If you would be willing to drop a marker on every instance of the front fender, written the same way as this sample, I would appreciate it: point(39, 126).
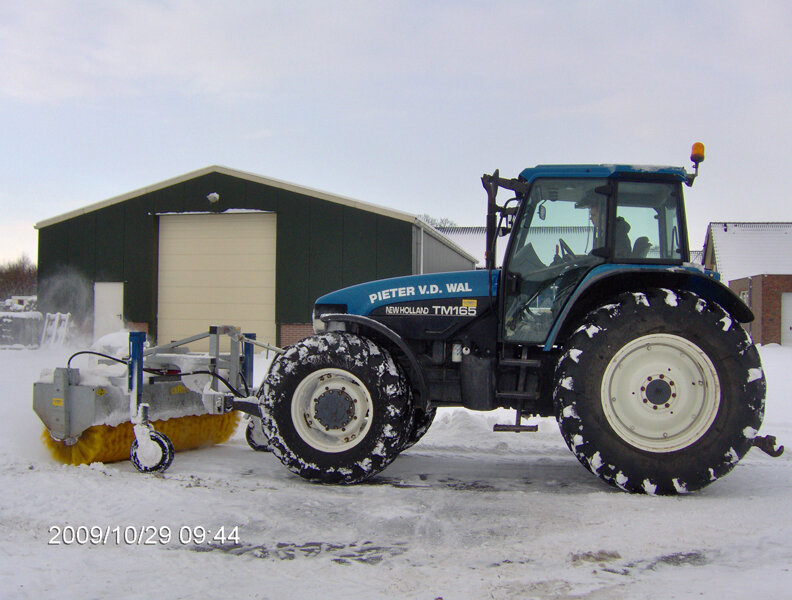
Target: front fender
point(417, 376)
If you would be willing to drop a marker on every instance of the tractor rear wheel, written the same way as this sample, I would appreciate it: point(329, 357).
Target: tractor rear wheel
point(335, 408)
point(659, 392)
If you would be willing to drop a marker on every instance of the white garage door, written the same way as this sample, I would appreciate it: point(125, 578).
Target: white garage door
point(786, 319)
point(216, 270)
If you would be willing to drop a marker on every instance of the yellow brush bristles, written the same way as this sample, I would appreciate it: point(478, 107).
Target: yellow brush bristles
point(102, 443)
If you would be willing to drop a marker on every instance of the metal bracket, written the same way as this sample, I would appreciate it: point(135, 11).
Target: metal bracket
point(767, 444)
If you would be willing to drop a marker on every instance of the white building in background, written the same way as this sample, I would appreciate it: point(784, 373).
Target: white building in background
point(755, 260)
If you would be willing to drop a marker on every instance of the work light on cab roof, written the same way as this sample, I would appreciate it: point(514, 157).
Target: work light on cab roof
point(697, 156)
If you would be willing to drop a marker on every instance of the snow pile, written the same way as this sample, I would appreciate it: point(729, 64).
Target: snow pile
point(466, 513)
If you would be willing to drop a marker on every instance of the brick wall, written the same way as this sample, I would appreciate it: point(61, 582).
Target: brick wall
point(764, 293)
point(756, 306)
point(773, 286)
point(291, 333)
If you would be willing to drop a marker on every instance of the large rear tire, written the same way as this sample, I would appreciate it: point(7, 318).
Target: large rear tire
point(659, 392)
point(335, 408)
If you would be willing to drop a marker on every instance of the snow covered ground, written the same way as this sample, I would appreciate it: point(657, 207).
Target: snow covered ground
point(466, 513)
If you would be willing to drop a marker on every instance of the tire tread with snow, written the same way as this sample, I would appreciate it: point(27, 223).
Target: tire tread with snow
point(420, 422)
point(659, 391)
point(335, 408)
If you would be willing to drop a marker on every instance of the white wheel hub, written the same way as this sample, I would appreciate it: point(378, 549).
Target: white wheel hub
point(331, 410)
point(660, 393)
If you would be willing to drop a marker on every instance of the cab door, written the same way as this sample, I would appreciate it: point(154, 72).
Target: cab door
point(560, 236)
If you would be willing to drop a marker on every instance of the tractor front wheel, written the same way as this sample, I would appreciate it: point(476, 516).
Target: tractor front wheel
point(336, 408)
point(420, 422)
point(659, 392)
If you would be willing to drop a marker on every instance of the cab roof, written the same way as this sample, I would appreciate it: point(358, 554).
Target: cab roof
point(602, 171)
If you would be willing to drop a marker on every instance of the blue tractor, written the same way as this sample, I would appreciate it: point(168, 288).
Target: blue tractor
point(596, 317)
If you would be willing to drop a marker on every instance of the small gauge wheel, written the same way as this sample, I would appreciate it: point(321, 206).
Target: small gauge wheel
point(154, 457)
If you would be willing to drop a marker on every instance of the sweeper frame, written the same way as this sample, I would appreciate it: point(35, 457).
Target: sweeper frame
point(190, 395)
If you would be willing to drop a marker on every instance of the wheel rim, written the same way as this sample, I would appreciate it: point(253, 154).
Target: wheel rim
point(331, 410)
point(660, 393)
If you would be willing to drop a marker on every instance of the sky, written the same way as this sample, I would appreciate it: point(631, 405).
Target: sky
point(404, 104)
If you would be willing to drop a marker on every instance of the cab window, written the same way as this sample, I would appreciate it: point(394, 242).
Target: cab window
point(647, 221)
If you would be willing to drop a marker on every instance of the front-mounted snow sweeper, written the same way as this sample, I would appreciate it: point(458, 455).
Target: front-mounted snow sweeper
point(596, 317)
point(149, 402)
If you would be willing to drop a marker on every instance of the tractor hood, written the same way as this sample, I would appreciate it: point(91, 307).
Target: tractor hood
point(365, 298)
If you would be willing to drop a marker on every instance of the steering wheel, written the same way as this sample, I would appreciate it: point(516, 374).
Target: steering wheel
point(566, 251)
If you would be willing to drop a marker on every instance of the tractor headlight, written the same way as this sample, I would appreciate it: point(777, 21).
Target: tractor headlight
point(320, 326)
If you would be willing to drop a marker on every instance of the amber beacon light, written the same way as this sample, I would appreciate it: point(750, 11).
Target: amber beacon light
point(697, 153)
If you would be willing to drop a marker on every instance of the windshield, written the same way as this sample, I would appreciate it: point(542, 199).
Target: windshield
point(563, 208)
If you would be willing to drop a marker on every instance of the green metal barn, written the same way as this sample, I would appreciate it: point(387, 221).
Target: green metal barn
point(221, 246)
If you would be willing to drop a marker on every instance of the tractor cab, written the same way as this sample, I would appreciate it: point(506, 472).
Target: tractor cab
point(572, 221)
point(577, 230)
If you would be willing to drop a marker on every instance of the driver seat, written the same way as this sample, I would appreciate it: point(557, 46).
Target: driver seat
point(641, 247)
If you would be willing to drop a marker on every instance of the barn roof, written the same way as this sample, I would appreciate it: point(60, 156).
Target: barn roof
point(276, 183)
point(738, 250)
point(472, 240)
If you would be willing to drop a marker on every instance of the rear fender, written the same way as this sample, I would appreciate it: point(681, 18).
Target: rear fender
point(609, 280)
